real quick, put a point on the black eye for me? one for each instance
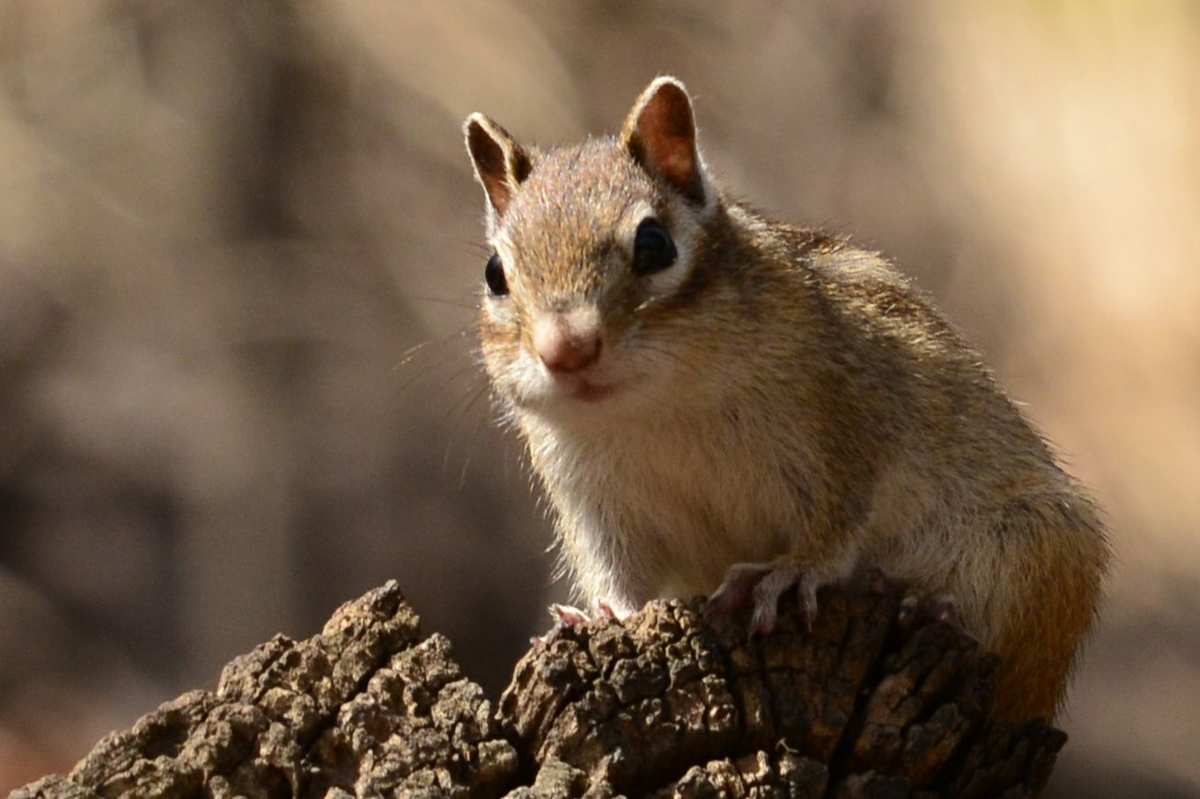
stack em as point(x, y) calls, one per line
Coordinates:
point(653, 250)
point(493, 274)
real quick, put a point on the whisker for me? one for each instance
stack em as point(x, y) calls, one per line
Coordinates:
point(448, 380)
point(458, 409)
point(448, 301)
point(463, 400)
point(409, 354)
point(473, 245)
point(645, 347)
point(479, 420)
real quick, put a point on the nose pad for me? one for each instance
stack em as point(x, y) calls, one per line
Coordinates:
point(563, 347)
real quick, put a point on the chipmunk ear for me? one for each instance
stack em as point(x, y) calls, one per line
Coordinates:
point(500, 163)
point(660, 134)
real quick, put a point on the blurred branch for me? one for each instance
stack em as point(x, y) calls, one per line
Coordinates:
point(870, 703)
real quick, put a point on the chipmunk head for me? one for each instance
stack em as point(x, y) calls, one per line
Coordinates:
point(595, 250)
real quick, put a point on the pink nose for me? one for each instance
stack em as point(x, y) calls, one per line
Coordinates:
point(565, 347)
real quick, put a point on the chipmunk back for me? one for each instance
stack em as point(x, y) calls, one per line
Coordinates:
point(718, 403)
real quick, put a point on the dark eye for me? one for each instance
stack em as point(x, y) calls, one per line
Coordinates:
point(653, 250)
point(493, 274)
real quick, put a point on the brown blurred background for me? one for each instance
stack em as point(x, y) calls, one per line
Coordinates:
point(223, 224)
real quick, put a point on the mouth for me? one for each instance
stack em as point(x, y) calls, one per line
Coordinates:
point(577, 388)
point(590, 392)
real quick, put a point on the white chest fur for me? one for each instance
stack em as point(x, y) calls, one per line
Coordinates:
point(662, 511)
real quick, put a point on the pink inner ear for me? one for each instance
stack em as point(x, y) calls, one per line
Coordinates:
point(667, 136)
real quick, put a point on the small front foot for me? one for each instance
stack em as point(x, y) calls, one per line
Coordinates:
point(923, 610)
point(575, 617)
point(568, 616)
point(762, 585)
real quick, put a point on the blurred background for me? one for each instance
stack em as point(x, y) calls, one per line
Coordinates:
point(224, 226)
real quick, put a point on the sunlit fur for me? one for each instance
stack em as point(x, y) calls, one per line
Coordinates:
point(780, 393)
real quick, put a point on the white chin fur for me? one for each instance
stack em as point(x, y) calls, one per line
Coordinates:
point(537, 390)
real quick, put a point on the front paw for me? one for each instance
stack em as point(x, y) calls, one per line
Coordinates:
point(917, 610)
point(570, 617)
point(761, 586)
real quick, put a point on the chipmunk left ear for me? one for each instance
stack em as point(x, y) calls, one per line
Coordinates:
point(501, 165)
point(660, 134)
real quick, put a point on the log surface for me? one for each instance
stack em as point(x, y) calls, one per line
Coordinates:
point(873, 702)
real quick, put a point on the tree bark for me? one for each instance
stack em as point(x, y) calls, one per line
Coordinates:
point(874, 701)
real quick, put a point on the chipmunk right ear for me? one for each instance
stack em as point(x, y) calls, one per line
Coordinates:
point(660, 134)
point(500, 163)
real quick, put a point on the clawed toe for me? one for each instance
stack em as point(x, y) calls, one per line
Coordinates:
point(568, 615)
point(767, 595)
point(762, 586)
point(736, 590)
point(941, 608)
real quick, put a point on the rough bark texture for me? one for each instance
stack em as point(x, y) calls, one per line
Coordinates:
point(874, 703)
point(366, 708)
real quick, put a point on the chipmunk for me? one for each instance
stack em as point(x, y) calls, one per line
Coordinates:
point(718, 403)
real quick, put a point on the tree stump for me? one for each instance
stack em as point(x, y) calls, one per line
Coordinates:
point(873, 702)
